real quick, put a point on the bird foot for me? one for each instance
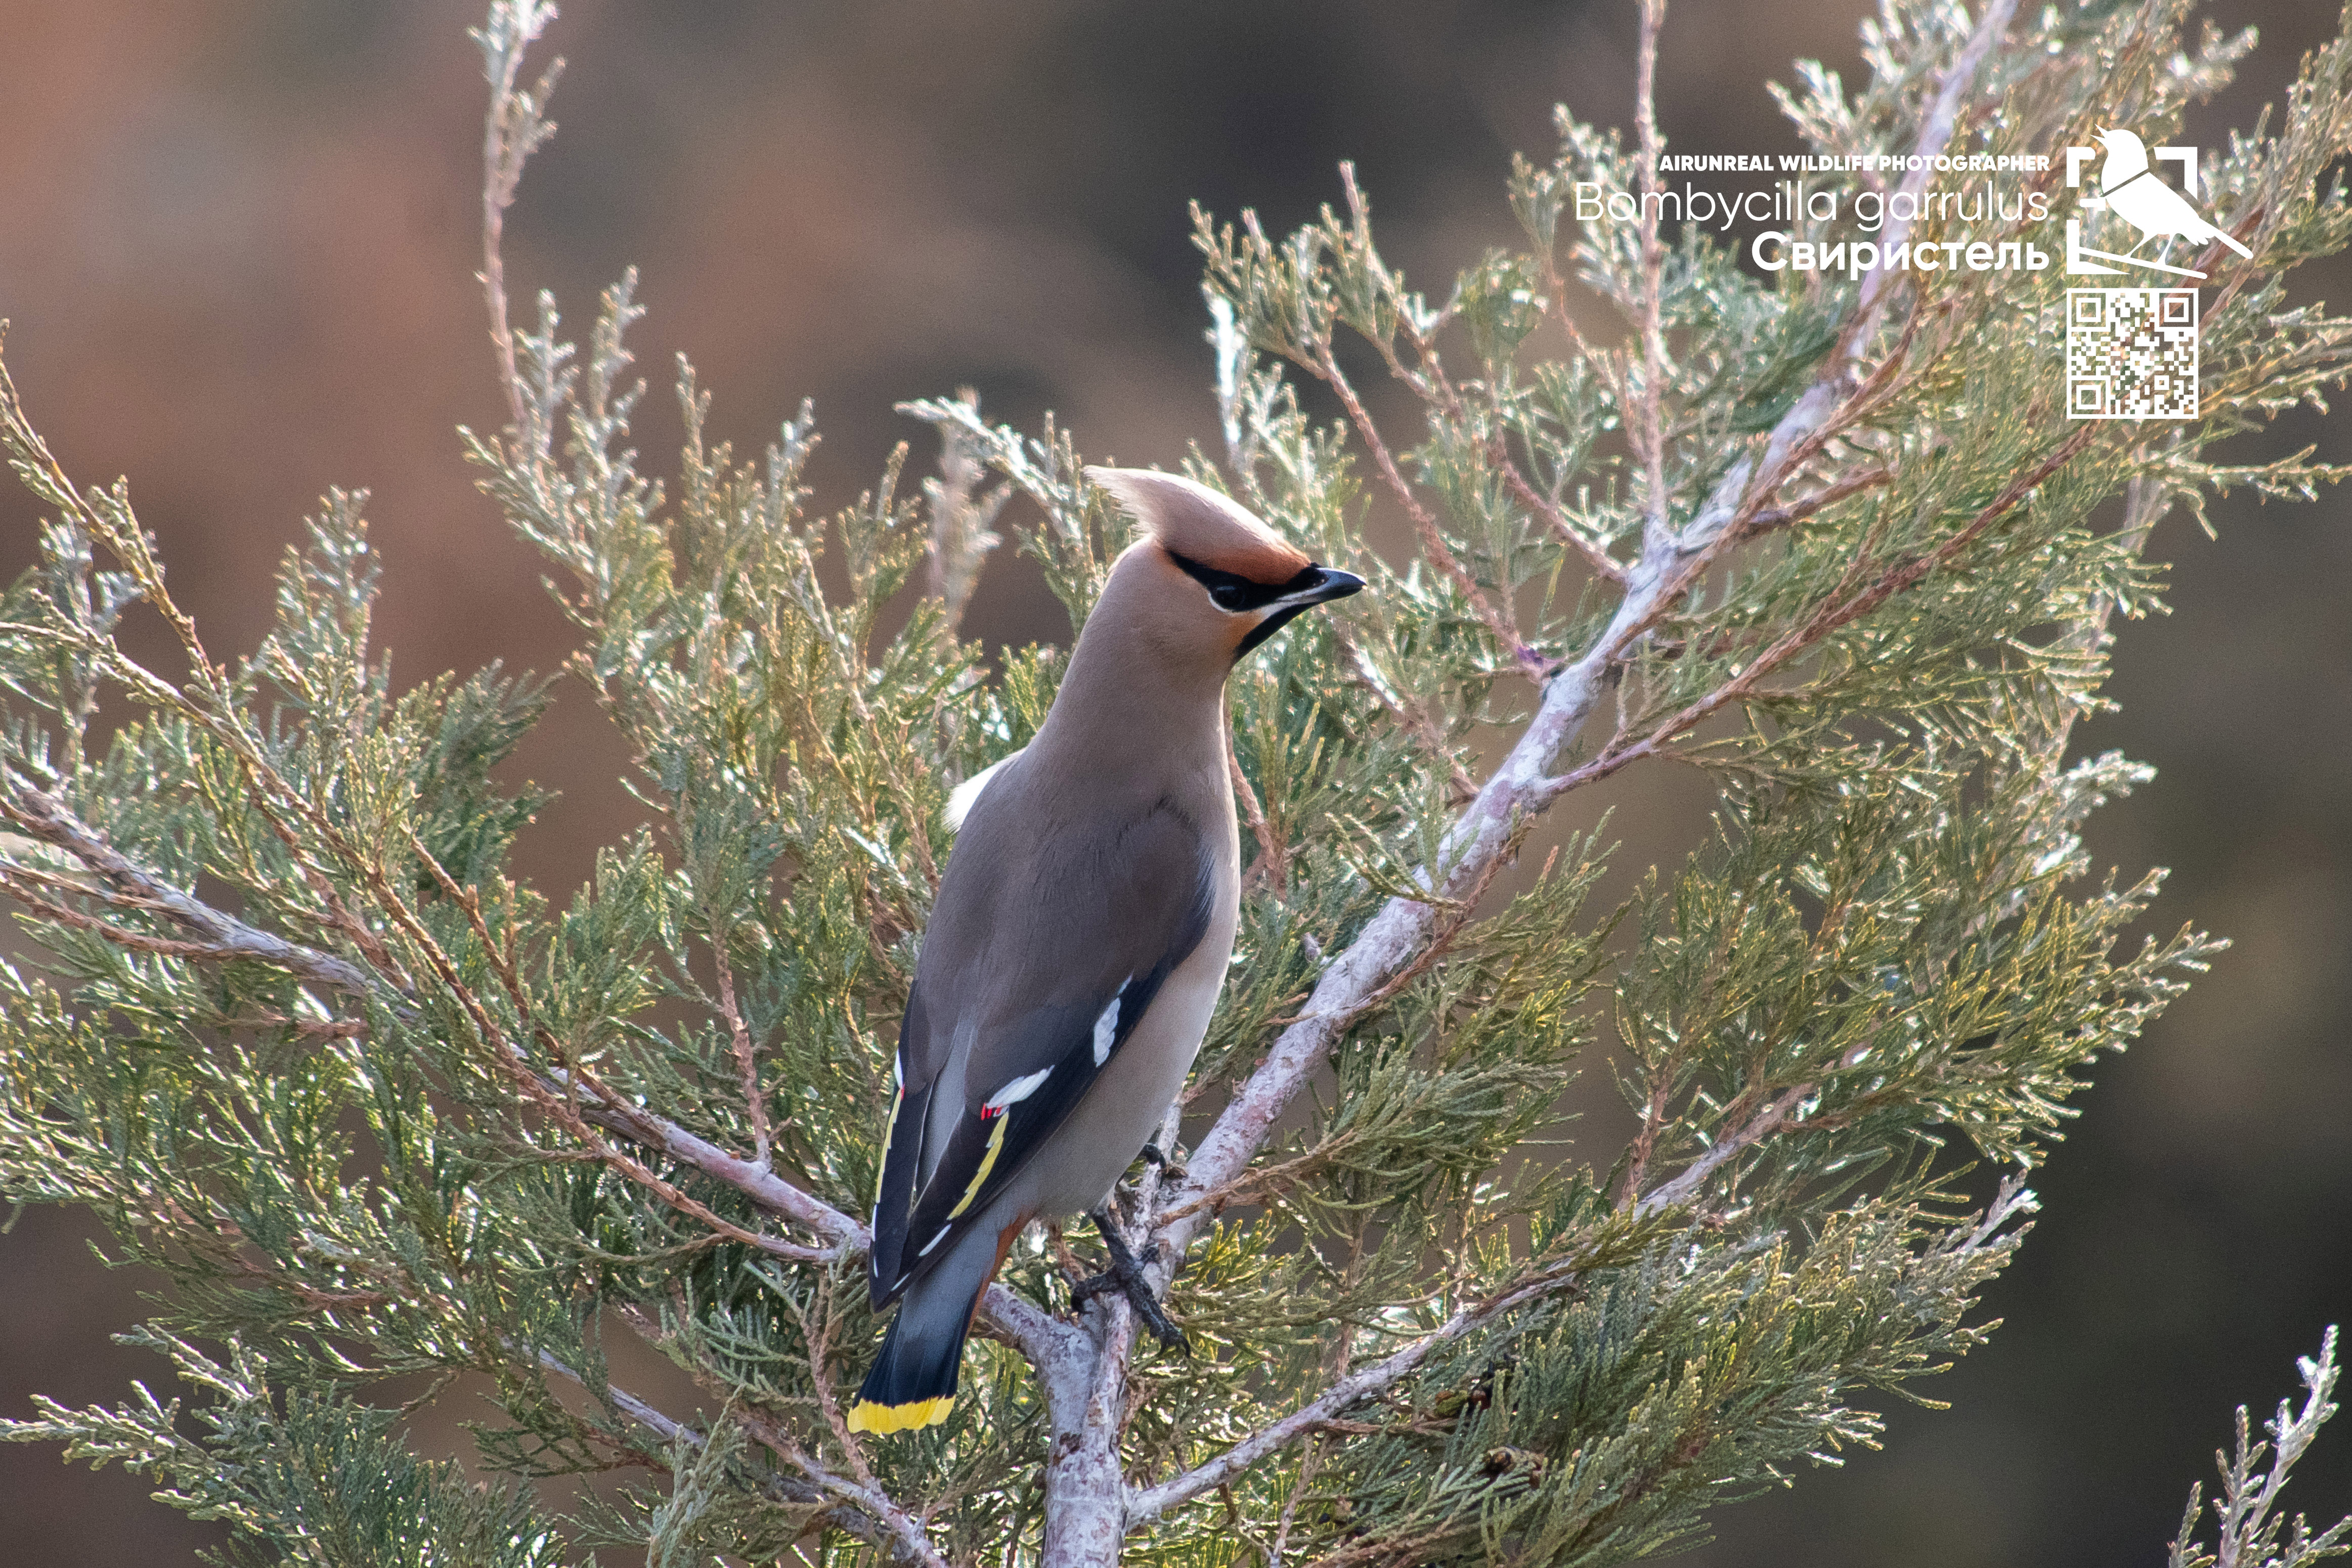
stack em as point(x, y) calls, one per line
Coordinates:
point(1126, 1274)
point(1152, 1156)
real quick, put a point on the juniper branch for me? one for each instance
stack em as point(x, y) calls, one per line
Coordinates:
point(2249, 1532)
point(1147, 1503)
point(1522, 784)
point(220, 937)
point(515, 127)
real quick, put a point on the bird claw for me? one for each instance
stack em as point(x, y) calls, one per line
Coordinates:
point(1126, 1274)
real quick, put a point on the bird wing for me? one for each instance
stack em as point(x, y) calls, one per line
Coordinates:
point(1054, 970)
point(2160, 209)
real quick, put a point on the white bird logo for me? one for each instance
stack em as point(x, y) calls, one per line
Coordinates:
point(2147, 202)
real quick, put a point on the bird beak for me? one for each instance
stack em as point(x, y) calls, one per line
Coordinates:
point(1328, 584)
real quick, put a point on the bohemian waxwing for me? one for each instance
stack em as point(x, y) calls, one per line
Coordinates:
point(1081, 933)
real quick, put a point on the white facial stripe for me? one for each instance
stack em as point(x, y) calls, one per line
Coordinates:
point(1013, 1093)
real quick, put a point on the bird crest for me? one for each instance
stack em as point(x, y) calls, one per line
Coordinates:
point(1201, 525)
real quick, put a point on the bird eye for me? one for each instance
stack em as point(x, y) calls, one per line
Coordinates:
point(1230, 597)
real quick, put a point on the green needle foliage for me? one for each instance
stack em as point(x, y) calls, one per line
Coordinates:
point(376, 1109)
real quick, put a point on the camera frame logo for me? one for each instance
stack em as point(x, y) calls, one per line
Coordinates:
point(2132, 351)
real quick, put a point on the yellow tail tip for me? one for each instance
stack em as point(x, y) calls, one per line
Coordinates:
point(882, 1419)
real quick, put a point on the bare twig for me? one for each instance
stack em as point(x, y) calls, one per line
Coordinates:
point(1495, 612)
point(789, 1490)
point(1024, 1324)
point(1838, 490)
point(223, 937)
point(25, 890)
point(556, 1093)
point(1150, 1502)
point(516, 126)
point(746, 1062)
point(1598, 561)
point(1693, 1176)
point(897, 1532)
point(1324, 1414)
point(1272, 862)
point(1412, 715)
point(219, 936)
point(1838, 611)
point(1645, 416)
point(1646, 1140)
point(961, 513)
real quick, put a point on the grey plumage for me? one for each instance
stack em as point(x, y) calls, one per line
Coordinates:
point(1081, 931)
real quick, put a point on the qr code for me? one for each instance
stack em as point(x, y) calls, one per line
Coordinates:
point(2131, 353)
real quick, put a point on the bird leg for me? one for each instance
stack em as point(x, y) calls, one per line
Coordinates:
point(1126, 1274)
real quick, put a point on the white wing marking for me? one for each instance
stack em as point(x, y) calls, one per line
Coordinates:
point(1019, 1089)
point(1107, 1026)
point(961, 799)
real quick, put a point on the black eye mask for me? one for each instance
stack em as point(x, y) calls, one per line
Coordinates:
point(1237, 594)
point(1231, 591)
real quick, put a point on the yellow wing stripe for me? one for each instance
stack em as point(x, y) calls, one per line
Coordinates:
point(913, 1417)
point(987, 1163)
point(890, 1137)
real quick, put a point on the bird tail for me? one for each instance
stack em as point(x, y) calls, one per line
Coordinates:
point(912, 1384)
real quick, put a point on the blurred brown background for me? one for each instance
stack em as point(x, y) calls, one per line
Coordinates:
point(237, 240)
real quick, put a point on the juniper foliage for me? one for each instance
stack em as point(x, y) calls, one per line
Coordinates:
point(376, 1107)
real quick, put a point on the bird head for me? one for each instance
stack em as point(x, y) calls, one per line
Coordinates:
point(1214, 578)
point(2124, 146)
